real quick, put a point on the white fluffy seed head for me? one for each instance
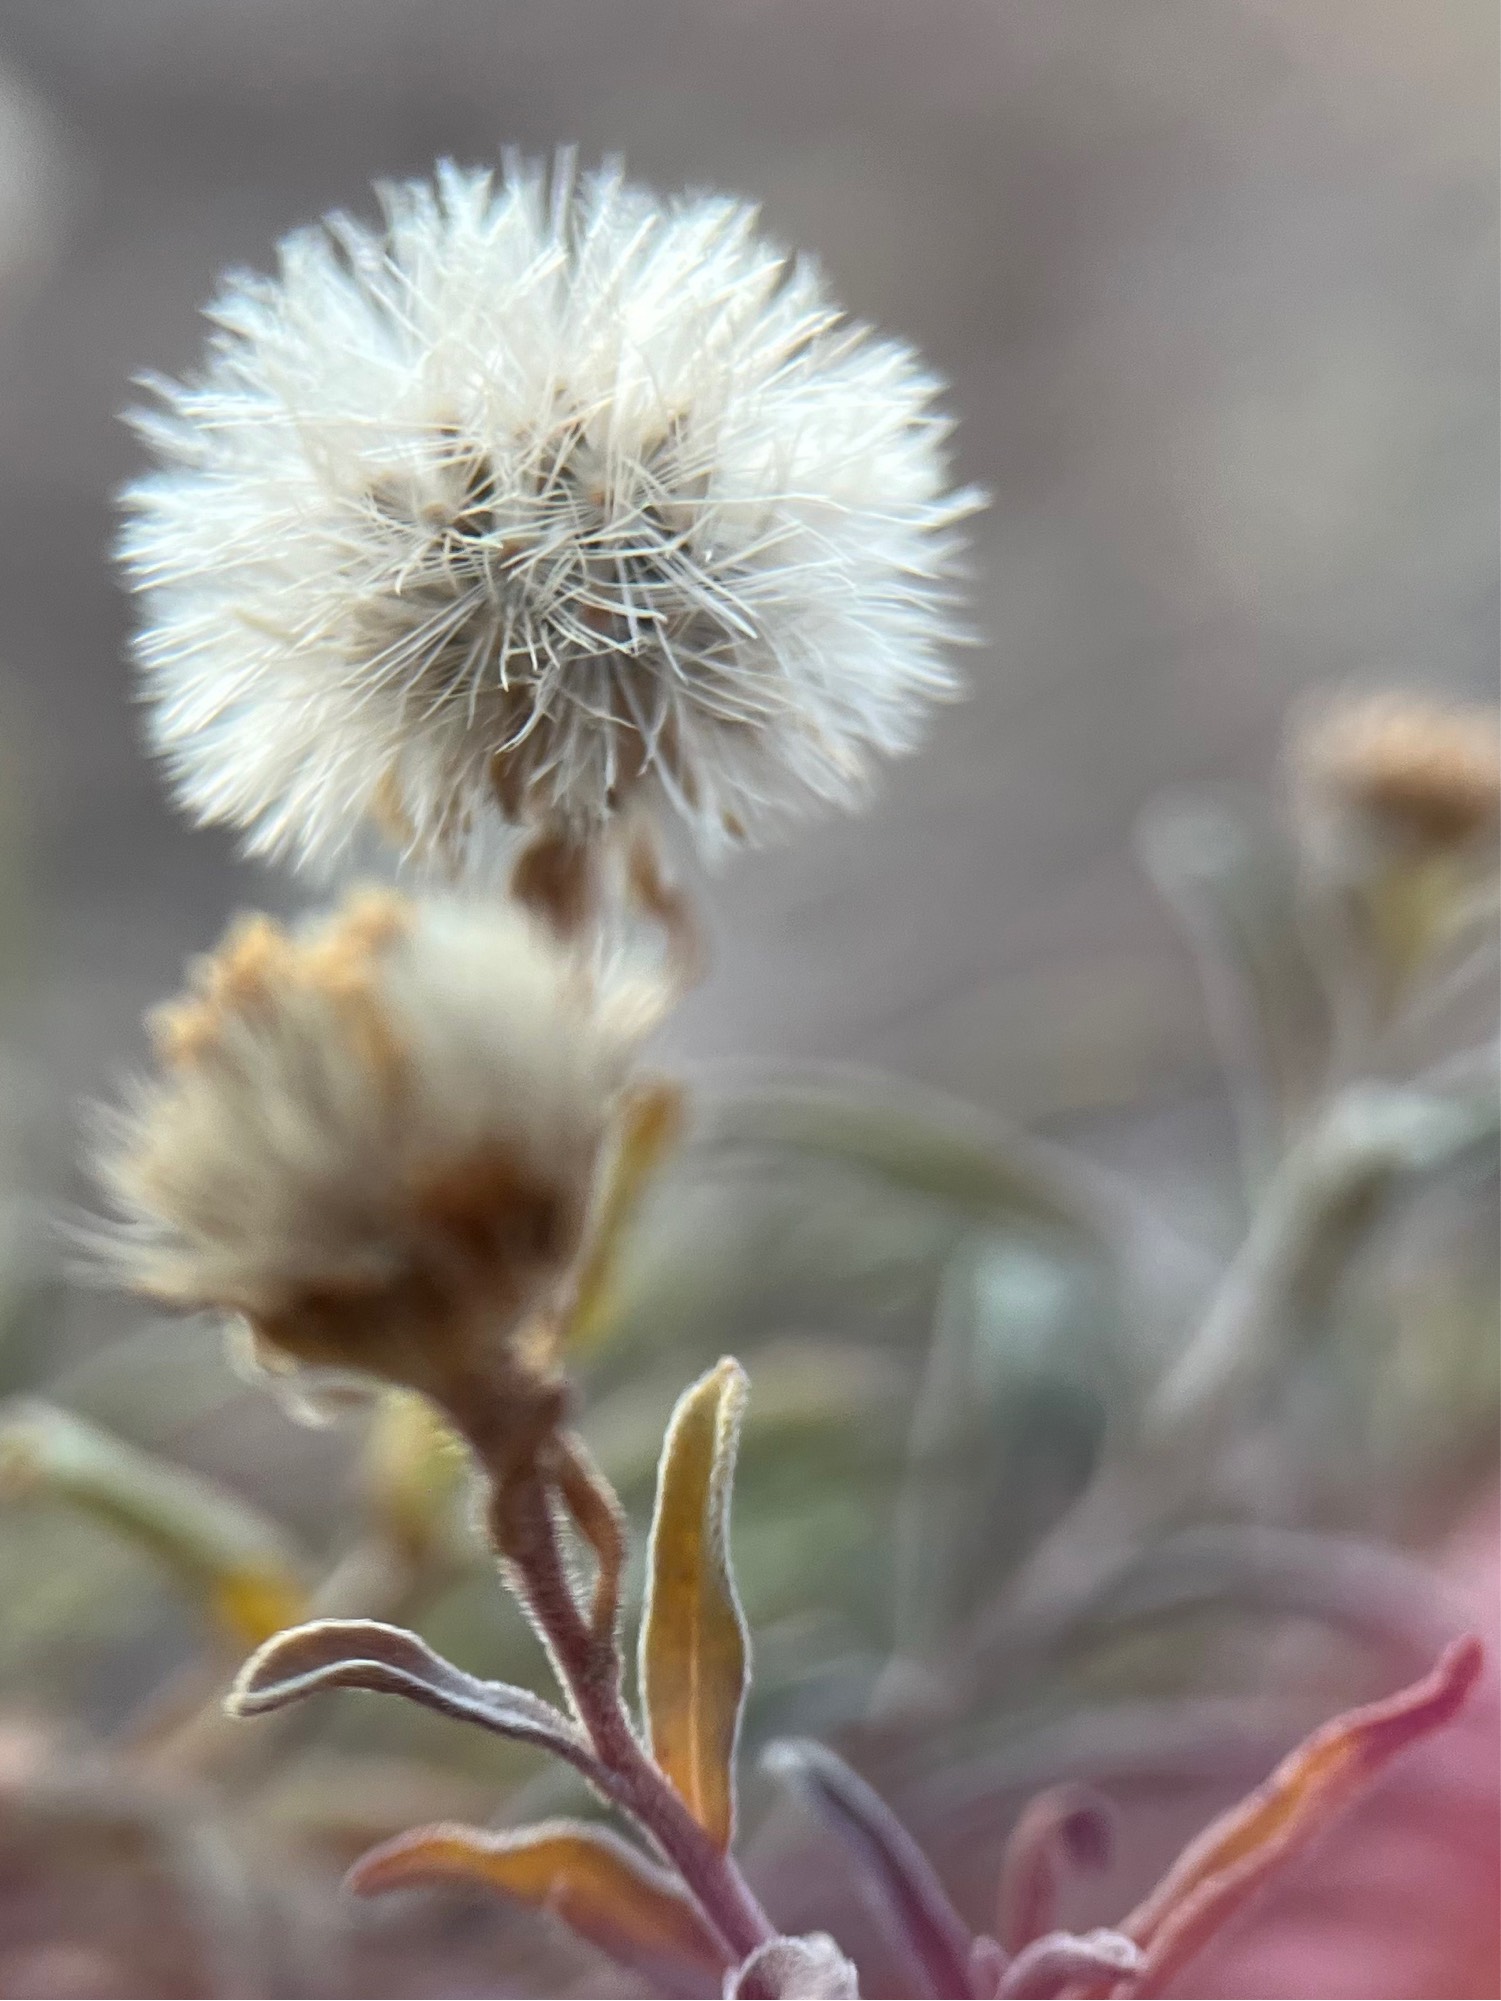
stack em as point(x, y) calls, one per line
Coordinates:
point(543, 497)
point(367, 1131)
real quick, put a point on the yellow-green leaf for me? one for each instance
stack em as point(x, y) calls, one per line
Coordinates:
point(695, 1658)
point(237, 1561)
point(611, 1895)
point(413, 1472)
point(651, 1124)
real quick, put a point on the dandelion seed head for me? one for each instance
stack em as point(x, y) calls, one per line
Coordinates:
point(362, 1129)
point(543, 498)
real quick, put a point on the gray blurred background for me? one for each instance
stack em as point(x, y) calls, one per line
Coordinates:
point(1215, 287)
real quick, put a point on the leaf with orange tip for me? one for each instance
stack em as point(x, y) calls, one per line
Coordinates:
point(1231, 1860)
point(695, 1657)
point(605, 1890)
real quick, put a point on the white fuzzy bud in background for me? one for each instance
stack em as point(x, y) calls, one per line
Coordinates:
point(545, 499)
point(376, 1139)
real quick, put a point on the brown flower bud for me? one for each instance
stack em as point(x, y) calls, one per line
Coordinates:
point(1400, 769)
point(377, 1139)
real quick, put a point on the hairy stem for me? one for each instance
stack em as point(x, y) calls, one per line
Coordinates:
point(596, 1514)
point(587, 1661)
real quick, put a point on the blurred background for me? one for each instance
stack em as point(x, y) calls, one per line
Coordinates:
point(1216, 292)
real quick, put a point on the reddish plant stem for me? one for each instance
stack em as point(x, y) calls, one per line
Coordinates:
point(596, 1514)
point(587, 1663)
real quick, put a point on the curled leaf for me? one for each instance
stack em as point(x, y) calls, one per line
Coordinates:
point(591, 1879)
point(1229, 1862)
point(910, 1895)
point(1063, 1829)
point(388, 1660)
point(236, 1561)
point(1061, 1962)
point(811, 1969)
point(695, 1655)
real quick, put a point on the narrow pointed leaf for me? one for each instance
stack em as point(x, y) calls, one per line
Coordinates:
point(236, 1561)
point(695, 1656)
point(909, 1892)
point(651, 1125)
point(1231, 878)
point(915, 1137)
point(388, 1660)
point(607, 1892)
point(1230, 1861)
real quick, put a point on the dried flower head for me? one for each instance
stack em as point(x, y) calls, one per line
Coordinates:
point(375, 1139)
point(544, 497)
point(1411, 770)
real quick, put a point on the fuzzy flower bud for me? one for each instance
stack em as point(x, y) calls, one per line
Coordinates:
point(377, 1139)
point(543, 500)
point(1399, 771)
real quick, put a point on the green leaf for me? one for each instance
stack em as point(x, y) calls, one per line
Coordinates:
point(585, 1875)
point(1334, 1190)
point(233, 1558)
point(1007, 1428)
point(695, 1655)
point(1230, 876)
point(919, 1139)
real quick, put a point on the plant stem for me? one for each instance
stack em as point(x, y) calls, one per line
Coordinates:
point(587, 1663)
